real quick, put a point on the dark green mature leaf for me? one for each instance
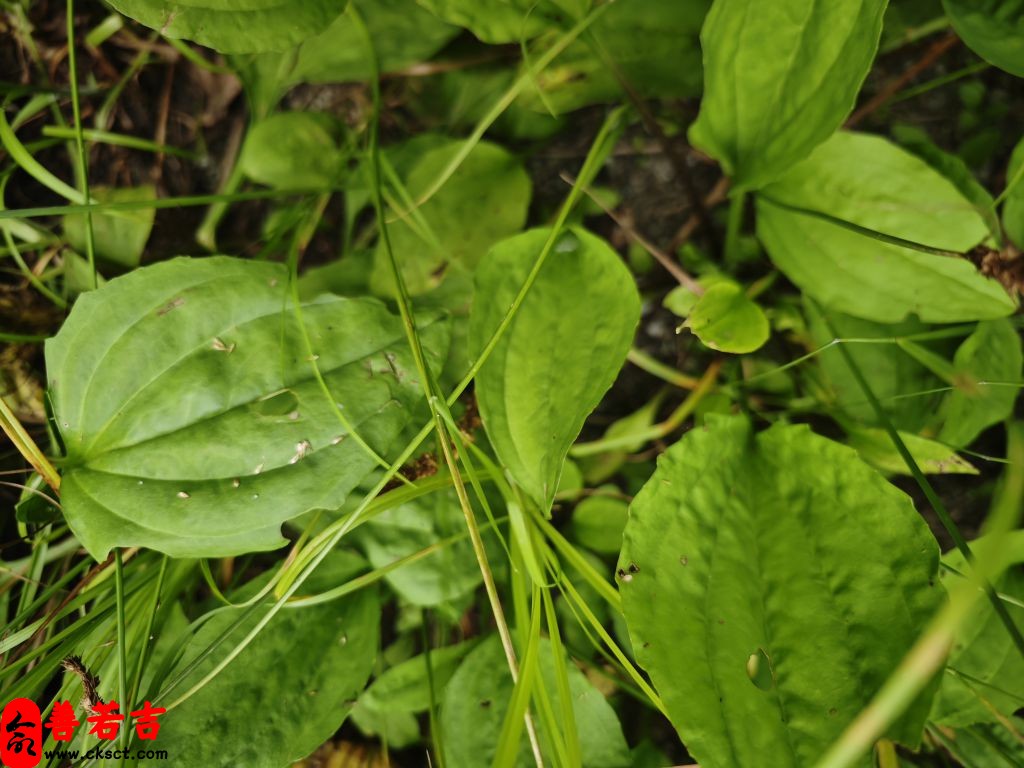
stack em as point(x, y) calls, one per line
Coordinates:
point(288, 691)
point(294, 150)
point(993, 29)
point(1013, 207)
point(118, 236)
point(725, 319)
point(652, 43)
point(485, 200)
point(189, 411)
point(477, 697)
point(986, 672)
point(560, 354)
point(991, 354)
point(870, 182)
point(782, 546)
point(779, 78)
point(447, 575)
point(493, 21)
point(893, 372)
point(235, 26)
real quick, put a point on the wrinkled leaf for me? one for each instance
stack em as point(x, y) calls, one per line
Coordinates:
point(779, 78)
point(991, 354)
point(726, 320)
point(876, 448)
point(235, 26)
point(118, 236)
point(297, 679)
point(485, 200)
point(986, 671)
point(558, 356)
point(993, 29)
point(785, 544)
point(189, 411)
point(294, 150)
point(477, 697)
point(870, 182)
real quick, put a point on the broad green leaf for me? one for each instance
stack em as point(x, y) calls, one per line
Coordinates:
point(485, 200)
point(1013, 207)
point(118, 236)
point(477, 697)
point(288, 691)
point(993, 29)
point(779, 77)
point(294, 150)
point(597, 523)
point(442, 577)
point(989, 746)
point(725, 319)
point(986, 673)
point(189, 411)
point(783, 544)
point(652, 43)
point(493, 21)
point(876, 448)
point(987, 365)
point(559, 355)
point(405, 687)
point(235, 26)
point(868, 181)
point(899, 381)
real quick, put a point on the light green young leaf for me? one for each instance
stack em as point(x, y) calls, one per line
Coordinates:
point(783, 544)
point(405, 687)
point(297, 680)
point(477, 698)
point(725, 319)
point(870, 182)
point(118, 236)
point(294, 150)
point(1013, 206)
point(993, 29)
point(779, 77)
point(485, 200)
point(991, 354)
point(991, 671)
point(189, 411)
point(235, 26)
point(876, 448)
point(560, 354)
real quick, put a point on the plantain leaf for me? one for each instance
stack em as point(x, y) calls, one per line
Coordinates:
point(872, 183)
point(560, 354)
point(190, 414)
point(294, 150)
point(876, 448)
point(477, 698)
point(493, 21)
point(779, 77)
point(726, 320)
point(119, 236)
point(985, 672)
point(1013, 208)
point(993, 29)
point(781, 549)
point(987, 378)
point(235, 26)
point(298, 679)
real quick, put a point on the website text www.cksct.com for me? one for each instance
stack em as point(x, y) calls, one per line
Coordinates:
point(103, 753)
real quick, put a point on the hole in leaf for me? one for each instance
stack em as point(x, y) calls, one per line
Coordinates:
point(759, 670)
